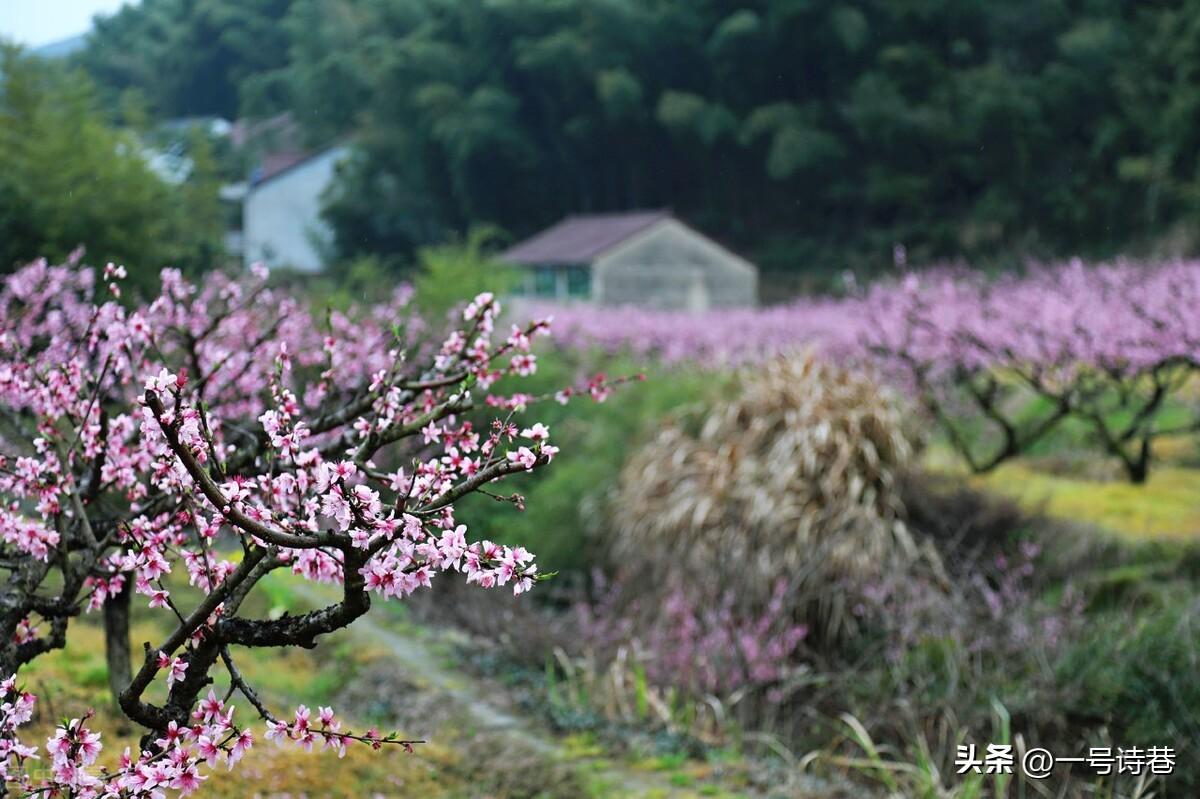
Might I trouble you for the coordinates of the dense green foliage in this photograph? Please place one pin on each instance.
(449, 272)
(188, 57)
(69, 178)
(808, 132)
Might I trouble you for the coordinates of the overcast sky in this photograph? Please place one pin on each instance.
(38, 22)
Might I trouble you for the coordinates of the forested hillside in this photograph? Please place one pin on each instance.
(813, 134)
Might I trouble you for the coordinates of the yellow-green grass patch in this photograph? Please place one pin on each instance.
(1167, 505)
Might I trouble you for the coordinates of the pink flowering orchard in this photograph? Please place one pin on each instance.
(998, 363)
(214, 435)
(1107, 345)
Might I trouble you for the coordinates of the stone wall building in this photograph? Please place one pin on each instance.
(642, 258)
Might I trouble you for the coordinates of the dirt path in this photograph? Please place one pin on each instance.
(420, 658)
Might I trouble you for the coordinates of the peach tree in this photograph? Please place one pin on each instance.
(212, 436)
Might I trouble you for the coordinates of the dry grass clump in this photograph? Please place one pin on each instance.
(793, 479)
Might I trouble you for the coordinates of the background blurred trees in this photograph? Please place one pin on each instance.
(69, 178)
(808, 132)
(189, 57)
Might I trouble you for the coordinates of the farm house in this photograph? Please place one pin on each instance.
(643, 258)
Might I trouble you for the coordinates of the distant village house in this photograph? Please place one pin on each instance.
(643, 258)
(281, 215)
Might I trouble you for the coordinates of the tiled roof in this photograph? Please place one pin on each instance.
(580, 239)
(276, 163)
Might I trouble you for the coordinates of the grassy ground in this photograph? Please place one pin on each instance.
(1166, 506)
(70, 681)
(1082, 485)
(407, 677)
(395, 674)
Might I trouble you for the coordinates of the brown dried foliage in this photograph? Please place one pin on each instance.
(794, 478)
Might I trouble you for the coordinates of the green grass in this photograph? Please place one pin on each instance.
(1061, 473)
(1165, 507)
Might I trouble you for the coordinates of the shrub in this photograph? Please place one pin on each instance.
(704, 644)
(793, 479)
(943, 643)
(450, 273)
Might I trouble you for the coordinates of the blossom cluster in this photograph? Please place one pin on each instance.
(715, 338)
(713, 647)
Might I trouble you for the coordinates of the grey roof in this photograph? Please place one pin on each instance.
(581, 239)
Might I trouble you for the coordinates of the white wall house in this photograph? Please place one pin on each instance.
(644, 258)
(281, 215)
